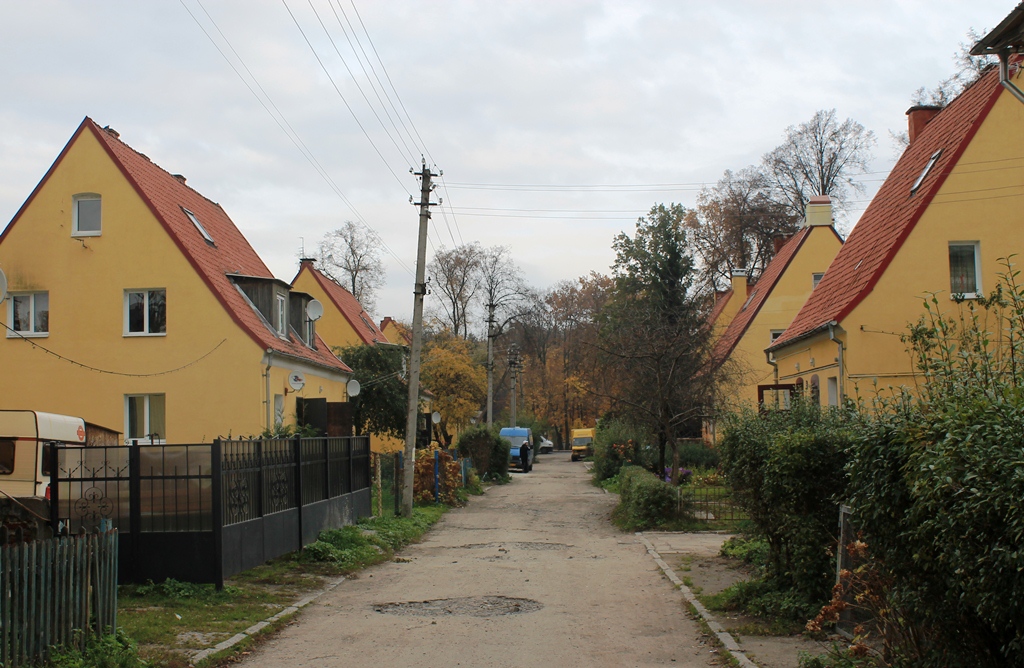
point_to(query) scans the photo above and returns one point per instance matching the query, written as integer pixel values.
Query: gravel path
(530, 574)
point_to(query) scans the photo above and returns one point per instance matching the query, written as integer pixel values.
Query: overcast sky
(619, 95)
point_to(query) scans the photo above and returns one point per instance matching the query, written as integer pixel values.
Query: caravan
(25, 441)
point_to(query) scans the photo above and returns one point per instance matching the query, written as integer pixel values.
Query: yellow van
(582, 443)
(24, 448)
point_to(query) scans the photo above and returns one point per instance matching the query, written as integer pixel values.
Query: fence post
(397, 483)
(327, 468)
(217, 512)
(135, 509)
(437, 477)
(297, 448)
(379, 481)
(54, 494)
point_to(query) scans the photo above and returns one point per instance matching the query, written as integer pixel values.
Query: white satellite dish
(3, 286)
(314, 310)
(435, 417)
(296, 380)
(353, 388)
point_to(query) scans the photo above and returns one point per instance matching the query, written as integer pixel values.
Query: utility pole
(420, 289)
(514, 364)
(490, 365)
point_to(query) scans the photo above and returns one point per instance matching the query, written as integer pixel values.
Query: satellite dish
(314, 310)
(435, 417)
(296, 380)
(353, 388)
(3, 286)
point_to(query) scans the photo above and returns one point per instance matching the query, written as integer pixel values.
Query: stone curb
(259, 626)
(723, 636)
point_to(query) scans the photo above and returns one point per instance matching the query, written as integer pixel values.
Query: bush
(617, 444)
(695, 454)
(488, 450)
(787, 471)
(644, 501)
(115, 650)
(449, 473)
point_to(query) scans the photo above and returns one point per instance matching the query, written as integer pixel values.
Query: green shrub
(786, 469)
(695, 454)
(320, 551)
(488, 450)
(753, 551)
(114, 650)
(644, 501)
(612, 449)
(176, 589)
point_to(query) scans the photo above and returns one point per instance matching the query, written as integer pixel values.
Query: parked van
(517, 436)
(25, 438)
(582, 443)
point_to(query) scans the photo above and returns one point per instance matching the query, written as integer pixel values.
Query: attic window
(749, 299)
(924, 173)
(199, 226)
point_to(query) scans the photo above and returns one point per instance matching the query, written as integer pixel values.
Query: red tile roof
(230, 253)
(716, 310)
(345, 302)
(894, 211)
(759, 293)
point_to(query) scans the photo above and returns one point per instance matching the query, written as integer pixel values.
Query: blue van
(517, 436)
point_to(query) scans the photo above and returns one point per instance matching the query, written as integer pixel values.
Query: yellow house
(395, 332)
(345, 322)
(134, 300)
(772, 302)
(947, 213)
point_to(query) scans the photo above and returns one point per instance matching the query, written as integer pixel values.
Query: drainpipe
(775, 371)
(270, 405)
(1004, 75)
(832, 335)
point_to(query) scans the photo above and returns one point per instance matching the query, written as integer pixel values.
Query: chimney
(918, 117)
(819, 211)
(180, 178)
(306, 261)
(739, 282)
(780, 241)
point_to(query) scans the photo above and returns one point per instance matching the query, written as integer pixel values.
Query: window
(199, 226)
(6, 456)
(85, 215)
(144, 417)
(833, 391)
(776, 333)
(816, 278)
(964, 268)
(145, 312)
(282, 315)
(29, 314)
(924, 172)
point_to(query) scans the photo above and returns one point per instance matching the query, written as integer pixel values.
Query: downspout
(1004, 75)
(775, 372)
(266, 377)
(832, 335)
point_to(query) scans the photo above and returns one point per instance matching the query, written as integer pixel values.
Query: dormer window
(85, 215)
(924, 173)
(281, 315)
(199, 226)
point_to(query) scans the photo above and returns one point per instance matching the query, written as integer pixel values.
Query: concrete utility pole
(514, 364)
(418, 292)
(490, 365)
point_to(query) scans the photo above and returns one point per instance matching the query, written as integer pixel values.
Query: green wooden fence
(51, 589)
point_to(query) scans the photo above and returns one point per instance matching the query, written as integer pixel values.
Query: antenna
(302, 247)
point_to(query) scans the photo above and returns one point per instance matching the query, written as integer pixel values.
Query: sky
(556, 124)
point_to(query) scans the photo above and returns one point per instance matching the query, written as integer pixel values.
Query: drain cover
(471, 606)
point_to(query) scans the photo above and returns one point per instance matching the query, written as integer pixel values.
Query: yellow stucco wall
(334, 327)
(982, 200)
(793, 288)
(86, 279)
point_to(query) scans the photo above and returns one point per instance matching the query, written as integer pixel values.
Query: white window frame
(775, 333)
(816, 278)
(978, 289)
(199, 226)
(145, 327)
(30, 333)
(281, 315)
(145, 418)
(85, 197)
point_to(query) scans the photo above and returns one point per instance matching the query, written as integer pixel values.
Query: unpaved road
(530, 574)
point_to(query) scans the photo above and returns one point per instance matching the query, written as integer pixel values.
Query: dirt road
(530, 574)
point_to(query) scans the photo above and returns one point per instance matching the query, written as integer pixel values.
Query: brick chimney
(819, 211)
(739, 282)
(918, 117)
(780, 241)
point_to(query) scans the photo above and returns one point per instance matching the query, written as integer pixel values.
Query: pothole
(516, 545)
(470, 606)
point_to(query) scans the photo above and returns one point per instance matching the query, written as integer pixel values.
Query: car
(545, 446)
(517, 436)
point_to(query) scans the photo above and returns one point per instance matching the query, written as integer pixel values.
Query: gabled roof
(168, 198)
(406, 336)
(894, 211)
(759, 294)
(345, 302)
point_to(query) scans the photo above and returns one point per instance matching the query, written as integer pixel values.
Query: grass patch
(170, 618)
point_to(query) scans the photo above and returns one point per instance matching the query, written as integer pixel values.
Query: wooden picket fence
(55, 592)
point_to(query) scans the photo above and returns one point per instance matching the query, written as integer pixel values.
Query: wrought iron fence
(709, 503)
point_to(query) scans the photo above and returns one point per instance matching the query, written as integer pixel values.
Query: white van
(24, 449)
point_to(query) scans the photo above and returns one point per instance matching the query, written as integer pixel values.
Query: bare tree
(818, 157)
(968, 69)
(455, 276)
(351, 257)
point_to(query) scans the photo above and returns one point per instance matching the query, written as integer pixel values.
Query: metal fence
(709, 503)
(49, 589)
(204, 512)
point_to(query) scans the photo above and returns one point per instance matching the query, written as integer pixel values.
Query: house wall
(86, 278)
(333, 327)
(980, 201)
(789, 294)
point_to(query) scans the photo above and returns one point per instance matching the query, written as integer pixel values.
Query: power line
(281, 122)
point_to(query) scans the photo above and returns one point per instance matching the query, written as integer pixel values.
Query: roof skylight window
(199, 226)
(924, 173)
